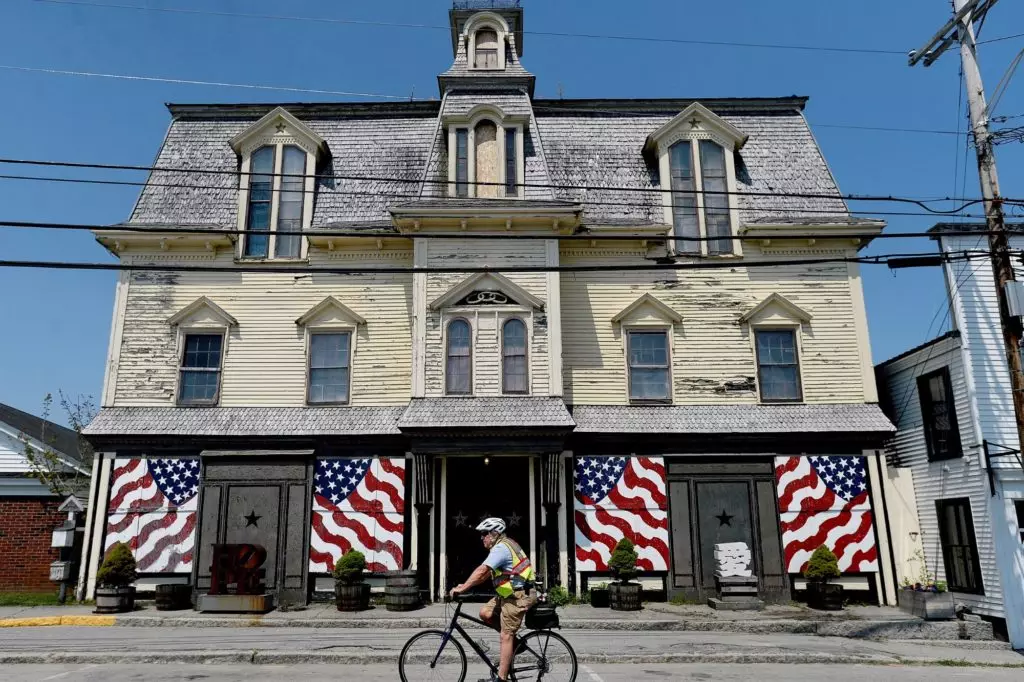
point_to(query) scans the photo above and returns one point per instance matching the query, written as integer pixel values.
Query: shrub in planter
(624, 595)
(350, 592)
(821, 594)
(115, 592)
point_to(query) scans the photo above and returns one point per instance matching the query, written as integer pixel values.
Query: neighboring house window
(959, 546)
(511, 163)
(200, 370)
(778, 367)
(459, 364)
(514, 374)
(716, 199)
(276, 197)
(462, 163)
(684, 200)
(329, 367)
(1019, 504)
(289, 211)
(486, 50)
(938, 416)
(261, 193)
(648, 366)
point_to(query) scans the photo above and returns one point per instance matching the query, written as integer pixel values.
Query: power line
(499, 236)
(306, 270)
(595, 188)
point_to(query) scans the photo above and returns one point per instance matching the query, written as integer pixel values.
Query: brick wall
(26, 525)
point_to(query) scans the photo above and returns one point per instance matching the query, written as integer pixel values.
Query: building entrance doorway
(477, 488)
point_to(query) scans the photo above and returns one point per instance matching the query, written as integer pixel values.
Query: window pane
(684, 201)
(511, 163)
(261, 184)
(462, 163)
(289, 212)
(458, 369)
(959, 547)
(716, 202)
(776, 348)
(202, 351)
(777, 365)
(779, 383)
(649, 384)
(648, 349)
(938, 416)
(514, 338)
(513, 349)
(198, 386)
(328, 351)
(328, 385)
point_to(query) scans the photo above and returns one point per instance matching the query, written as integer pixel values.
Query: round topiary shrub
(623, 561)
(349, 568)
(118, 569)
(823, 566)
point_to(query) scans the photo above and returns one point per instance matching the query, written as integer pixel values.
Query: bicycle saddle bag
(542, 617)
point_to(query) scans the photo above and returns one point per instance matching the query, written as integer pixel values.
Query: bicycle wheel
(432, 656)
(544, 655)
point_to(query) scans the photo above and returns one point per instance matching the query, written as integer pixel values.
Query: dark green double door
(723, 502)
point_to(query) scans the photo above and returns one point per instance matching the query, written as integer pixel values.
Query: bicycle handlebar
(466, 596)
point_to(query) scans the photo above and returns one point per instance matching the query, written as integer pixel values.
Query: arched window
(514, 373)
(716, 199)
(488, 161)
(684, 198)
(459, 363)
(261, 198)
(289, 209)
(486, 56)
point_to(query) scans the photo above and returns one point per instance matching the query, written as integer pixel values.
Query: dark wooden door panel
(723, 515)
(682, 536)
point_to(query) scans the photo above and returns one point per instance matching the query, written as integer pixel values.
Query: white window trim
(649, 326)
(503, 123)
(184, 330)
(308, 186)
(334, 328)
(665, 168)
(485, 21)
(777, 325)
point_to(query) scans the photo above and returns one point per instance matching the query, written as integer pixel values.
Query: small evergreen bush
(824, 566)
(623, 561)
(118, 569)
(350, 567)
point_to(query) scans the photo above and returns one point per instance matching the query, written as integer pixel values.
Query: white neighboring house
(962, 505)
(18, 428)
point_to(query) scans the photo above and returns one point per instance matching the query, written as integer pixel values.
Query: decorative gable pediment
(776, 309)
(696, 122)
(647, 309)
(487, 288)
(202, 312)
(329, 312)
(278, 127)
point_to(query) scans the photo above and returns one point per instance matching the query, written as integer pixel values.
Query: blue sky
(56, 323)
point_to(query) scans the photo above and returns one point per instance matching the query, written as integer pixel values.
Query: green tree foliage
(824, 566)
(350, 567)
(51, 468)
(623, 561)
(118, 569)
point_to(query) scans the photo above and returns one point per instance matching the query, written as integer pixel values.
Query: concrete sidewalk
(857, 622)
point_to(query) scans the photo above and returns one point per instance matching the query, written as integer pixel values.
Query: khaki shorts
(513, 609)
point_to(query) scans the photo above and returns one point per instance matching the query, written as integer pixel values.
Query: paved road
(593, 673)
(379, 646)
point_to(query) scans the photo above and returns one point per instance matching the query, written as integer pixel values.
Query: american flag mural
(358, 504)
(619, 497)
(826, 501)
(152, 509)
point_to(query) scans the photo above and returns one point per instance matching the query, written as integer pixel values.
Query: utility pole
(961, 29)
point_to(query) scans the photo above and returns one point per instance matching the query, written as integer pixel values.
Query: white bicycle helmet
(490, 525)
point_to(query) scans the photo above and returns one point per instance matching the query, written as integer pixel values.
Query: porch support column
(424, 473)
(551, 468)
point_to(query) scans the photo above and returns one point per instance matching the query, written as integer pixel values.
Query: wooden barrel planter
(624, 596)
(173, 597)
(402, 591)
(115, 599)
(352, 597)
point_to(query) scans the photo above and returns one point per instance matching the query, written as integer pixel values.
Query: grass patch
(28, 599)
(683, 600)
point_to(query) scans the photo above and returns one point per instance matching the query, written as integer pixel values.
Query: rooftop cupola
(487, 42)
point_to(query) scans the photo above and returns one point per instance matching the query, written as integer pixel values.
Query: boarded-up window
(459, 364)
(486, 49)
(487, 159)
(684, 200)
(938, 416)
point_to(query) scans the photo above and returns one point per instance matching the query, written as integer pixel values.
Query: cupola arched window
(486, 56)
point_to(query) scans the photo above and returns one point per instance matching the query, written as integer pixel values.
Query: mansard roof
(582, 151)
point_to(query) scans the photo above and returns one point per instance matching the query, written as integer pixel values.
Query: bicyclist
(511, 573)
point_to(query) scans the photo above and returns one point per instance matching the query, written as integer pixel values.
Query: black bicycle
(436, 655)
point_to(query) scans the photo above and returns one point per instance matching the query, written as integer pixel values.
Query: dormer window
(485, 154)
(695, 156)
(279, 154)
(486, 56)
